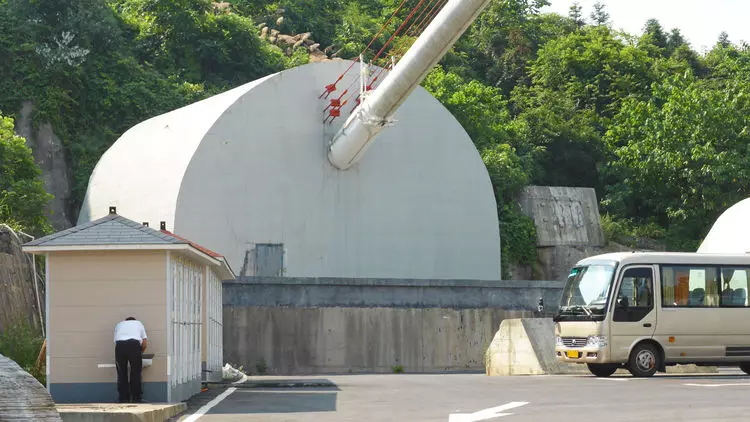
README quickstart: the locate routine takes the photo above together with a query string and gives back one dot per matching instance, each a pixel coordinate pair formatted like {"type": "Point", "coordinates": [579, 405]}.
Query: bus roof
{"type": "Point", "coordinates": [625, 258]}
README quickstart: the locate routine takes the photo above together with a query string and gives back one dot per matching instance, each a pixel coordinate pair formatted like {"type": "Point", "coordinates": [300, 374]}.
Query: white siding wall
{"type": "Point", "coordinates": [214, 352]}
{"type": "Point", "coordinates": [185, 321]}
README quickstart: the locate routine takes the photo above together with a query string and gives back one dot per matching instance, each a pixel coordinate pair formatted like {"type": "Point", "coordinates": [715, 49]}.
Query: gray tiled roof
{"type": "Point", "coordinates": [110, 230]}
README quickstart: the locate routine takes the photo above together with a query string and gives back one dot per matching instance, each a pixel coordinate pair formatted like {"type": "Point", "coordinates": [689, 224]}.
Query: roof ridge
{"type": "Point", "coordinates": [149, 230]}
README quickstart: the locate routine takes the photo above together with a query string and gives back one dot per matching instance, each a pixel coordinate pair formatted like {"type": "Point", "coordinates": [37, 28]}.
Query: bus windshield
{"type": "Point", "coordinates": [587, 290]}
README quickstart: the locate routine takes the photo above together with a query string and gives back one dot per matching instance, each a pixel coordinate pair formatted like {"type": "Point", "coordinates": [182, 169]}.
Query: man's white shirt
{"type": "Point", "coordinates": [128, 330]}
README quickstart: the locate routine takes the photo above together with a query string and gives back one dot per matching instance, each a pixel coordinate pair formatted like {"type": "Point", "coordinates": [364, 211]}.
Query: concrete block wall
{"type": "Point", "coordinates": [327, 325]}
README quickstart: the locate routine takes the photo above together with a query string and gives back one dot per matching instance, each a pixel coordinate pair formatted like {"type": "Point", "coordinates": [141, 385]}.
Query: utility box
{"type": "Point", "coordinates": [104, 271]}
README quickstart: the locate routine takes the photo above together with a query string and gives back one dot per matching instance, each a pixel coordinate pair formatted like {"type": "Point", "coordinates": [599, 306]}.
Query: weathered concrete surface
{"type": "Point", "coordinates": [50, 155]}
{"type": "Point", "coordinates": [359, 340]}
{"type": "Point", "coordinates": [554, 262]}
{"type": "Point", "coordinates": [119, 412]}
{"type": "Point", "coordinates": [563, 215]}
{"type": "Point", "coordinates": [526, 347]}
{"type": "Point", "coordinates": [18, 300]}
{"type": "Point", "coordinates": [22, 398]}
{"type": "Point", "coordinates": [333, 325]}
{"type": "Point", "coordinates": [568, 230]}
{"type": "Point", "coordinates": [390, 293]}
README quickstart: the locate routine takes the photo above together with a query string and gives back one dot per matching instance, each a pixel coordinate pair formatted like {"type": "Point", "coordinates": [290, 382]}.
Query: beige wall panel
{"type": "Point", "coordinates": [93, 344]}
{"type": "Point", "coordinates": [97, 266]}
{"type": "Point", "coordinates": [103, 318]}
{"type": "Point", "coordinates": [111, 293]}
{"type": "Point", "coordinates": [68, 370]}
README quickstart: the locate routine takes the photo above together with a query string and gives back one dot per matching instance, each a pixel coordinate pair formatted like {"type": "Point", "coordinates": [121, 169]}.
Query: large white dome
{"type": "Point", "coordinates": [731, 231]}
{"type": "Point", "coordinates": [249, 167]}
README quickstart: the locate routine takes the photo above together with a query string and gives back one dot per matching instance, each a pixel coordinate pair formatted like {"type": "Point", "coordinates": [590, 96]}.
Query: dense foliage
{"type": "Point", "coordinates": [659, 130]}
{"type": "Point", "coordinates": [22, 195]}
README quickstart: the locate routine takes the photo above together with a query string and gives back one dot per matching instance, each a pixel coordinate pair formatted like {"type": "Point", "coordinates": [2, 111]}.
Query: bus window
{"type": "Point", "coordinates": [689, 286]}
{"type": "Point", "coordinates": [734, 286]}
{"type": "Point", "coordinates": [635, 298]}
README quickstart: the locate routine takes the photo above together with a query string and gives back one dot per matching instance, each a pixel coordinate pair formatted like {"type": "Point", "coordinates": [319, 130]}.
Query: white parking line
{"type": "Point", "coordinates": [206, 407]}
{"type": "Point", "coordinates": [612, 379]}
{"type": "Point", "coordinates": [719, 385]}
{"type": "Point", "coordinates": [491, 413]}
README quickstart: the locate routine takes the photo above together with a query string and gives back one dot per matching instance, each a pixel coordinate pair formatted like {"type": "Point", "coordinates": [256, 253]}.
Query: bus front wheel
{"type": "Point", "coordinates": [745, 367]}
{"type": "Point", "coordinates": [602, 369]}
{"type": "Point", "coordinates": [644, 360]}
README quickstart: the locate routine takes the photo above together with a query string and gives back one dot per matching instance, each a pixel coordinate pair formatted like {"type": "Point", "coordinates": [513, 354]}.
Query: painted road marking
{"type": "Point", "coordinates": [612, 379]}
{"type": "Point", "coordinates": [492, 412]}
{"type": "Point", "coordinates": [206, 407]}
{"type": "Point", "coordinates": [718, 385]}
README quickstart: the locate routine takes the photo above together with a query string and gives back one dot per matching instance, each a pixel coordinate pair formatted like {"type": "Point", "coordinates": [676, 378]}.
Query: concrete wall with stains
{"type": "Point", "coordinates": [315, 326]}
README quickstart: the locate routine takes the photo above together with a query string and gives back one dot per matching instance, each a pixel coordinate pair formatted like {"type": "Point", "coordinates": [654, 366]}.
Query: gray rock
{"type": "Point", "coordinates": [22, 398]}
{"type": "Point", "coordinates": [18, 297]}
{"type": "Point", "coordinates": [50, 155]}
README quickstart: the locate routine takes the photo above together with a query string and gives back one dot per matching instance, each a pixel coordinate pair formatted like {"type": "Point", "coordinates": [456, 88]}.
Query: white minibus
{"type": "Point", "coordinates": [644, 311]}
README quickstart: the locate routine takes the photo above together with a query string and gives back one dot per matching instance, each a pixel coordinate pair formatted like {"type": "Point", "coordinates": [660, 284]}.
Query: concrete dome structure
{"type": "Point", "coordinates": [249, 167]}
{"type": "Point", "coordinates": [731, 231]}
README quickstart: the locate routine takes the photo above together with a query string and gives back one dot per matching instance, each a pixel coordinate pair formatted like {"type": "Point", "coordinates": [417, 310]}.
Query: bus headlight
{"type": "Point", "coordinates": [558, 341]}
{"type": "Point", "coordinates": [596, 341]}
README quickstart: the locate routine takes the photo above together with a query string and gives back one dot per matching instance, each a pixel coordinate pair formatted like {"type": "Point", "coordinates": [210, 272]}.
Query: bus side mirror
{"type": "Point", "coordinates": [622, 302]}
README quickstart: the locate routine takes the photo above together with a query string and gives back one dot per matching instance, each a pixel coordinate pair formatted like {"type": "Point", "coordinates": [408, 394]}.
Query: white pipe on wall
{"type": "Point", "coordinates": [357, 133]}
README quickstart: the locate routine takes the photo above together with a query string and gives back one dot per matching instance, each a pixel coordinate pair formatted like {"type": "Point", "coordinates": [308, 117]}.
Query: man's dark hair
{"type": "Point", "coordinates": [130, 318]}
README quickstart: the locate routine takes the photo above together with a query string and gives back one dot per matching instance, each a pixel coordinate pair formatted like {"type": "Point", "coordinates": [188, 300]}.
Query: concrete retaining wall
{"type": "Point", "coordinates": [311, 326]}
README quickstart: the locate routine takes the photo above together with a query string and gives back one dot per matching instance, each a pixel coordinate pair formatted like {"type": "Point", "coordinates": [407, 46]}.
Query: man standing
{"type": "Point", "coordinates": [130, 343]}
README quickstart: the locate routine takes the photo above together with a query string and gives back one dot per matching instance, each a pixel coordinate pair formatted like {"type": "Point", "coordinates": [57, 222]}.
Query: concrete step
{"type": "Point", "coordinates": [106, 412]}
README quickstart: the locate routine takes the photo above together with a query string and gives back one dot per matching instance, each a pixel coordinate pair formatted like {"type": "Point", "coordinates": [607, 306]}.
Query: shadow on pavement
{"type": "Point", "coordinates": [267, 396]}
{"type": "Point", "coordinates": [254, 401]}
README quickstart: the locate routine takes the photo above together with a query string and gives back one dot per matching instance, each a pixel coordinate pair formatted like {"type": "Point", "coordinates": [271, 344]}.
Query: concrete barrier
{"type": "Point", "coordinates": [526, 347]}
{"type": "Point", "coordinates": [119, 412]}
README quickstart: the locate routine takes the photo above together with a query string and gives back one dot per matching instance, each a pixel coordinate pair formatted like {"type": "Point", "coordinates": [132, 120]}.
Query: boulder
{"type": "Point", "coordinates": [22, 398]}
{"type": "Point", "coordinates": [50, 155]}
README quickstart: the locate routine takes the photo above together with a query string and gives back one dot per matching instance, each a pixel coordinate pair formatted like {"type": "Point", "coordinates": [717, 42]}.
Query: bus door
{"type": "Point", "coordinates": [634, 313]}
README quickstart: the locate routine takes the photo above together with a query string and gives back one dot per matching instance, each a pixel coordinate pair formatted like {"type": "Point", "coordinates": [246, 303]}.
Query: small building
{"type": "Point", "coordinates": [102, 272]}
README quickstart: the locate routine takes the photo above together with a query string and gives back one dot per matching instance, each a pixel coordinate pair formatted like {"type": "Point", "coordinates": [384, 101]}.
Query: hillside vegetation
{"type": "Point", "coordinates": [658, 129]}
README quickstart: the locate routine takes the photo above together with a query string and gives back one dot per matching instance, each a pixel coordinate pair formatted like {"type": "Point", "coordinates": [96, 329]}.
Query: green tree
{"type": "Point", "coordinates": [654, 34]}
{"type": "Point", "coordinates": [682, 156]}
{"type": "Point", "coordinates": [724, 39]}
{"type": "Point", "coordinates": [576, 14]}
{"type": "Point", "coordinates": [22, 196]}
{"type": "Point", "coordinates": [594, 68]}
{"type": "Point", "coordinates": [599, 15]}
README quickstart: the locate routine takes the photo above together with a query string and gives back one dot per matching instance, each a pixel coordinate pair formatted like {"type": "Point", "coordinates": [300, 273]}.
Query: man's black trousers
{"type": "Point", "coordinates": [129, 352]}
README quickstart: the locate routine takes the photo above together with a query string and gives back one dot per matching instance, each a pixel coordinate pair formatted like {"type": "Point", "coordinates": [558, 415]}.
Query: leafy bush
{"type": "Point", "coordinates": [22, 344]}
{"type": "Point", "coordinates": [517, 238]}
{"type": "Point", "coordinates": [630, 233]}
{"type": "Point", "coordinates": [22, 195]}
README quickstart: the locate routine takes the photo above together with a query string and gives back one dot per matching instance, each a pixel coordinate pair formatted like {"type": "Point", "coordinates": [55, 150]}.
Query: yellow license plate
{"type": "Point", "coordinates": [571, 354]}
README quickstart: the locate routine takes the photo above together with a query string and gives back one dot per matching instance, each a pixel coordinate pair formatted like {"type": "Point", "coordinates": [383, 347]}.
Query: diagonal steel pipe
{"type": "Point", "coordinates": [375, 112]}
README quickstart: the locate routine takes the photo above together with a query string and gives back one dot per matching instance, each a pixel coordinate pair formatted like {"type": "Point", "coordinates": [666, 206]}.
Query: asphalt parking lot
{"type": "Point", "coordinates": [474, 397]}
